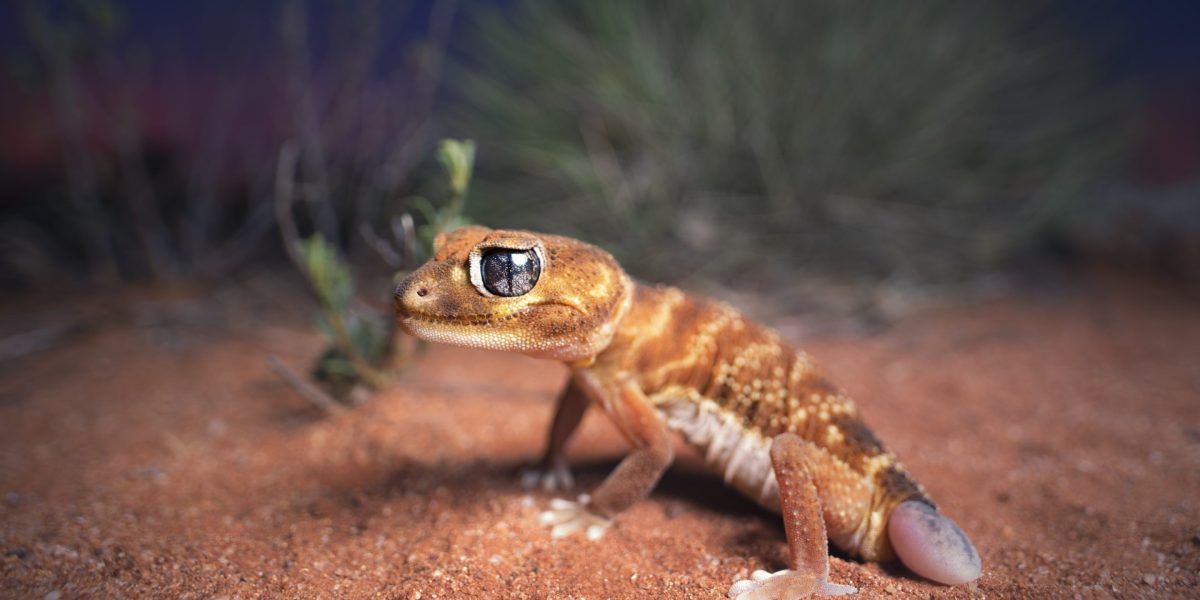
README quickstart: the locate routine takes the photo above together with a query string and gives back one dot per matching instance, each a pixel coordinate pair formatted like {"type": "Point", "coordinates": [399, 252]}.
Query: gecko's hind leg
{"type": "Point", "coordinates": [805, 527]}
{"type": "Point", "coordinates": [551, 473]}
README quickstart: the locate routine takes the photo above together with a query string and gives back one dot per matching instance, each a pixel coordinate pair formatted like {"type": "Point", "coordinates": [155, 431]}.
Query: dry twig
{"type": "Point", "coordinates": [306, 390]}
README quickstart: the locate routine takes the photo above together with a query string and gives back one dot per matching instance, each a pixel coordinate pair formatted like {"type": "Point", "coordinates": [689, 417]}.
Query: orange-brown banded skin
{"type": "Point", "coordinates": [731, 385]}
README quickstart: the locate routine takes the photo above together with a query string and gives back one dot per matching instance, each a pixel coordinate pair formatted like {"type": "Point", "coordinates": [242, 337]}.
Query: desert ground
{"type": "Point", "coordinates": [152, 453]}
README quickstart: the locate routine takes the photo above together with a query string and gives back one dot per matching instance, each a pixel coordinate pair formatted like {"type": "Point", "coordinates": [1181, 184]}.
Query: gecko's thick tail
{"type": "Point", "coordinates": [931, 545]}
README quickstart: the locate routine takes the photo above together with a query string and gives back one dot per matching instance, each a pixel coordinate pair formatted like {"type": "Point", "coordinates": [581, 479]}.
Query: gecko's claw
{"type": "Point", "coordinates": [785, 585]}
{"type": "Point", "coordinates": [568, 517]}
{"type": "Point", "coordinates": [931, 545]}
{"type": "Point", "coordinates": [551, 477]}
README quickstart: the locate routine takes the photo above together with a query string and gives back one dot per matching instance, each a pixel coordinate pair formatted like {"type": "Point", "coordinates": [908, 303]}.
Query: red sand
{"type": "Point", "coordinates": [158, 457]}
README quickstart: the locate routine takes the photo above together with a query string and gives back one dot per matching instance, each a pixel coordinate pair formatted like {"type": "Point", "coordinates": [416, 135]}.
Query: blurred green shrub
{"type": "Point", "coordinates": [924, 140]}
{"type": "Point", "coordinates": [364, 346]}
{"type": "Point", "coordinates": [458, 160]}
{"type": "Point", "coordinates": [358, 344]}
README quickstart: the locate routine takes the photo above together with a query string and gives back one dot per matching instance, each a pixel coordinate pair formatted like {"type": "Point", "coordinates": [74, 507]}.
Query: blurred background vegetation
{"type": "Point", "coordinates": [749, 144]}
{"type": "Point", "coordinates": [924, 140]}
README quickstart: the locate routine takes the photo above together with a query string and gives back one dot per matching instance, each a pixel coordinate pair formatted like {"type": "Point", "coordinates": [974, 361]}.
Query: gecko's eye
{"type": "Point", "coordinates": [510, 272]}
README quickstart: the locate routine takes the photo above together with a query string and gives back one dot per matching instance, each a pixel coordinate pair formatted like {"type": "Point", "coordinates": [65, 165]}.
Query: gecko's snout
{"type": "Point", "coordinates": [407, 294]}
{"type": "Point", "coordinates": [398, 299]}
{"type": "Point", "coordinates": [418, 294]}
{"type": "Point", "coordinates": [397, 295]}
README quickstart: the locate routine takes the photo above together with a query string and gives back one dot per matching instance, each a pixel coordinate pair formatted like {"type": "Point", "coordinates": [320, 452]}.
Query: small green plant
{"type": "Point", "coordinates": [458, 160]}
{"type": "Point", "coordinates": [359, 344]}
{"type": "Point", "coordinates": [365, 349]}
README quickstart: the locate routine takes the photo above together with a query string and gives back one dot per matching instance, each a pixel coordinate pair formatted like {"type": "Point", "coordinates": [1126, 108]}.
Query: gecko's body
{"type": "Point", "coordinates": [658, 360]}
{"type": "Point", "coordinates": [730, 386]}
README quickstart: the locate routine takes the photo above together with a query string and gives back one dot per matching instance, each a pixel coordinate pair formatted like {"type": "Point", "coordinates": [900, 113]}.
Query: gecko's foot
{"type": "Point", "coordinates": [552, 477]}
{"type": "Point", "coordinates": [785, 585]}
{"type": "Point", "coordinates": [931, 545]}
{"type": "Point", "coordinates": [568, 517]}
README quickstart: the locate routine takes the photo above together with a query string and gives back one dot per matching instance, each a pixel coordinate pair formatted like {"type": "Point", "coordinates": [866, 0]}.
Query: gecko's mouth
{"type": "Point", "coordinates": [516, 331]}
{"type": "Point", "coordinates": [407, 316]}
{"type": "Point", "coordinates": [476, 320]}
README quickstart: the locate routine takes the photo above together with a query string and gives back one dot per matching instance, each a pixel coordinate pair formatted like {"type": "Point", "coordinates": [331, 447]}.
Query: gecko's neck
{"type": "Point", "coordinates": [644, 317]}
{"type": "Point", "coordinates": [606, 336]}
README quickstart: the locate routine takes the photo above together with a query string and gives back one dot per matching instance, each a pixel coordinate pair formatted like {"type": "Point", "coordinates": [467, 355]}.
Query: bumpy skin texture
{"type": "Point", "coordinates": [657, 360]}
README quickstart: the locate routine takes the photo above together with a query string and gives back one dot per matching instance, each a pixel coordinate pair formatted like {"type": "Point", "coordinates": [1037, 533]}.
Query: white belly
{"type": "Point", "coordinates": [742, 457]}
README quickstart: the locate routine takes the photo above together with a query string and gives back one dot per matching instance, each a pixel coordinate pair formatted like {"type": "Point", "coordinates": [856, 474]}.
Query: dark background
{"type": "Point", "coordinates": [180, 111]}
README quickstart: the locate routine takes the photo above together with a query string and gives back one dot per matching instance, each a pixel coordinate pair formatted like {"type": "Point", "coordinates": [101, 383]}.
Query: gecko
{"type": "Point", "coordinates": [659, 363]}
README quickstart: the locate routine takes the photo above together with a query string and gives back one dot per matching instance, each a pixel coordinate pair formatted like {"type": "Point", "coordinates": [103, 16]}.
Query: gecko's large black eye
{"type": "Point", "coordinates": [510, 272]}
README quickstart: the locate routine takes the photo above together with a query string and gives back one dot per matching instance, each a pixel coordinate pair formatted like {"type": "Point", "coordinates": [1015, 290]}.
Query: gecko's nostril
{"type": "Point", "coordinates": [422, 292]}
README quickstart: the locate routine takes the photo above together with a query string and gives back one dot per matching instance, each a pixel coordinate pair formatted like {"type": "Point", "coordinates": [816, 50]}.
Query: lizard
{"type": "Point", "coordinates": [657, 361]}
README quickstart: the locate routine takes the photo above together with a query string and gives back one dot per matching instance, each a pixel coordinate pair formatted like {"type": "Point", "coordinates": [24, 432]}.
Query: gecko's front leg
{"type": "Point", "coordinates": [637, 474]}
{"type": "Point", "coordinates": [552, 472]}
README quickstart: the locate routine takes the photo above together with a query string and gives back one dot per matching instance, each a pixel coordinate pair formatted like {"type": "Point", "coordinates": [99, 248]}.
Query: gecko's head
{"type": "Point", "coordinates": [542, 295]}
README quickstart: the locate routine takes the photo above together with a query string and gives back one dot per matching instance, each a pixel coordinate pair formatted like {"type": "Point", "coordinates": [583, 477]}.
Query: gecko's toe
{"type": "Point", "coordinates": [551, 478]}
{"type": "Point", "coordinates": [785, 585]}
{"type": "Point", "coordinates": [567, 517]}
{"type": "Point", "coordinates": [931, 545]}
